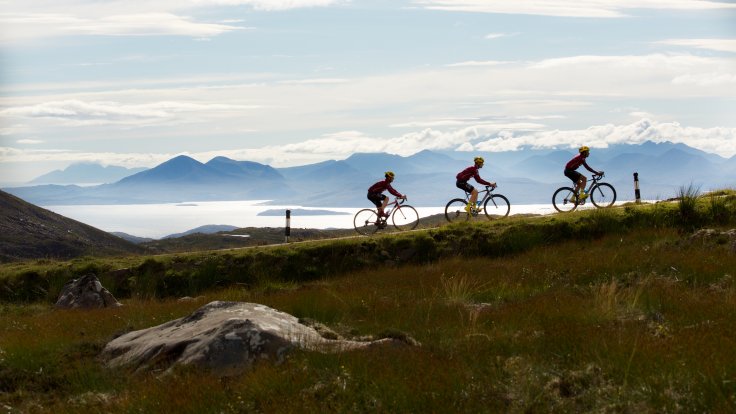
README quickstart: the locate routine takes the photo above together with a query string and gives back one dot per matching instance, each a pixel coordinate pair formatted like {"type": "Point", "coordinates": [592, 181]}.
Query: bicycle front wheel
{"type": "Point", "coordinates": [366, 221]}
{"type": "Point", "coordinates": [455, 210]}
{"type": "Point", "coordinates": [405, 218]}
{"type": "Point", "coordinates": [603, 195]}
{"type": "Point", "coordinates": [564, 200]}
{"type": "Point", "coordinates": [497, 207]}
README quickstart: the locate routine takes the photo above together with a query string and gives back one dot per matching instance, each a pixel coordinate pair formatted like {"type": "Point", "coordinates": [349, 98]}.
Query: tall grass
{"type": "Point", "coordinates": [687, 202]}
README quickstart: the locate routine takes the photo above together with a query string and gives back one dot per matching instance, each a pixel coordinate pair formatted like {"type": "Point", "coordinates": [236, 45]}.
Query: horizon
{"type": "Point", "coordinates": [288, 83]}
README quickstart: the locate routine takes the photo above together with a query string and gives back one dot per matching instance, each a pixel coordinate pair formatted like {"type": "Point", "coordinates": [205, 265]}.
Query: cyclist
{"type": "Point", "coordinates": [579, 179]}
{"type": "Point", "coordinates": [468, 173]}
{"type": "Point", "coordinates": [375, 193]}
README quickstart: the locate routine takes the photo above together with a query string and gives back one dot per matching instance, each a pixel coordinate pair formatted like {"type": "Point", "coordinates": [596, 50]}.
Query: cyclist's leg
{"type": "Point", "coordinates": [382, 209]}
{"type": "Point", "coordinates": [465, 186]}
{"type": "Point", "coordinates": [576, 178]}
{"type": "Point", "coordinates": [378, 200]}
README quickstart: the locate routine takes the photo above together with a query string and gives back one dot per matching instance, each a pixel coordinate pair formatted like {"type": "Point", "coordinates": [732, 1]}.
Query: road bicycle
{"type": "Point", "coordinates": [403, 217]}
{"type": "Point", "coordinates": [494, 206]}
{"type": "Point", "coordinates": [601, 194]}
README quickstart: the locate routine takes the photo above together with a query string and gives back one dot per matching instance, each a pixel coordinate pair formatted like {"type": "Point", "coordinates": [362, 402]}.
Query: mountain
{"type": "Point", "coordinates": [428, 177]}
{"type": "Point", "coordinates": [31, 232]}
{"type": "Point", "coordinates": [208, 229]}
{"type": "Point", "coordinates": [244, 169]}
{"type": "Point", "coordinates": [181, 169]}
{"type": "Point", "coordinates": [86, 173]}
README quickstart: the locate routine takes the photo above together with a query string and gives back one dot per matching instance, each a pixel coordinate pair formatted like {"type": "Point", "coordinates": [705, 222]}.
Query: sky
{"type": "Point", "coordinates": [291, 82]}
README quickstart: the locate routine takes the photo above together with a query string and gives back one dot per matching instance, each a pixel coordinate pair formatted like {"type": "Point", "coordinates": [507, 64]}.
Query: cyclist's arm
{"type": "Point", "coordinates": [585, 164]}
{"type": "Point", "coordinates": [394, 192]}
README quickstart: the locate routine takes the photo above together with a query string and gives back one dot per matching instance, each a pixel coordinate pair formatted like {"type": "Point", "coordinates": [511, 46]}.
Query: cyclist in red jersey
{"type": "Point", "coordinates": [579, 179]}
{"type": "Point", "coordinates": [375, 193]}
{"type": "Point", "coordinates": [468, 173]}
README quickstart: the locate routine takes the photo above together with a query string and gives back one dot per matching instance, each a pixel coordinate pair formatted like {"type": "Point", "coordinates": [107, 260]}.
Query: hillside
{"type": "Point", "coordinates": [593, 311]}
{"type": "Point", "coordinates": [28, 231]}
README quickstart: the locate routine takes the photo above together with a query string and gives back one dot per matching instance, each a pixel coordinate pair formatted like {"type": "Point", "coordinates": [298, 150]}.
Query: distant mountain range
{"type": "Point", "coordinates": [428, 177]}
{"type": "Point", "coordinates": [28, 231]}
{"type": "Point", "coordinates": [86, 174]}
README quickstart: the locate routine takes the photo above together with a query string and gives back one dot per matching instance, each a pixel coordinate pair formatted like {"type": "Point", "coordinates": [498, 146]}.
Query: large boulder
{"type": "Point", "coordinates": [226, 338]}
{"type": "Point", "coordinates": [86, 292]}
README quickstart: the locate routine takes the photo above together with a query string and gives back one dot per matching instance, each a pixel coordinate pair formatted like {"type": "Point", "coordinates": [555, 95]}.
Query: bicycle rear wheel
{"type": "Point", "coordinates": [497, 207]}
{"type": "Point", "coordinates": [405, 218]}
{"type": "Point", "coordinates": [603, 195]}
{"type": "Point", "coordinates": [455, 210]}
{"type": "Point", "coordinates": [366, 221]}
{"type": "Point", "coordinates": [564, 200]}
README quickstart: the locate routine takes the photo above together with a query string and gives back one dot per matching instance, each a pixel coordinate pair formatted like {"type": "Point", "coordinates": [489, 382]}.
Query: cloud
{"type": "Point", "coordinates": [23, 20]}
{"type": "Point", "coordinates": [491, 36]}
{"type": "Point", "coordinates": [29, 141]}
{"type": "Point", "coordinates": [83, 113]}
{"type": "Point", "coordinates": [721, 45]}
{"type": "Point", "coordinates": [472, 63]}
{"type": "Point", "coordinates": [44, 25]}
{"type": "Point", "coordinates": [716, 140]}
{"type": "Point", "coordinates": [568, 8]}
{"type": "Point", "coordinates": [342, 144]}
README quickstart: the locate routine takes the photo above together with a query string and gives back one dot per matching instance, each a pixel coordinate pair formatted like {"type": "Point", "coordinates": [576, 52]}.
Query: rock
{"type": "Point", "coordinates": [87, 293]}
{"type": "Point", "coordinates": [226, 338]}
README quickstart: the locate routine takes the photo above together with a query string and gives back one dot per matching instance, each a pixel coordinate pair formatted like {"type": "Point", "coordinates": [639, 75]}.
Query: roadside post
{"type": "Point", "coordinates": [637, 194]}
{"type": "Point", "coordinates": [287, 231]}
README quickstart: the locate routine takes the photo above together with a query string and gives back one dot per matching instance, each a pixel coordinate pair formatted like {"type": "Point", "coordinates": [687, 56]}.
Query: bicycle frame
{"type": "Point", "coordinates": [390, 207]}
{"type": "Point", "coordinates": [486, 195]}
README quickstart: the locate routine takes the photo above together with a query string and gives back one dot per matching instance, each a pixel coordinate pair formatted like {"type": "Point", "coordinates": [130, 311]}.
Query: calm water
{"type": "Point", "coordinates": [159, 220]}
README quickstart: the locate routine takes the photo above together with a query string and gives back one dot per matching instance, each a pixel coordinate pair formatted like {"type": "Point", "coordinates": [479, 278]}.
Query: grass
{"type": "Point", "coordinates": [616, 310]}
{"type": "Point", "coordinates": [568, 328]}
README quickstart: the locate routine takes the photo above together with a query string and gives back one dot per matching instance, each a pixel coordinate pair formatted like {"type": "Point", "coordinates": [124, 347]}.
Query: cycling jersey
{"type": "Point", "coordinates": [382, 186]}
{"type": "Point", "coordinates": [469, 172]}
{"type": "Point", "coordinates": [576, 162]}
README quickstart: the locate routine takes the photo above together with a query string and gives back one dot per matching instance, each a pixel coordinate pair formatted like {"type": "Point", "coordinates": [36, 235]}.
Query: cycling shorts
{"type": "Point", "coordinates": [377, 198]}
{"type": "Point", "coordinates": [463, 185]}
{"type": "Point", "coordinates": [573, 175]}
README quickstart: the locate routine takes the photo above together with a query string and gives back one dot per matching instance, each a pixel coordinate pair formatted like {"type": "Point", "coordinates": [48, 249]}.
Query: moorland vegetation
{"type": "Point", "coordinates": [627, 309]}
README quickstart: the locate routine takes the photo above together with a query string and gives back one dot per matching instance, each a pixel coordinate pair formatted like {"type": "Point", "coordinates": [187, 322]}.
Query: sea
{"type": "Point", "coordinates": [159, 220]}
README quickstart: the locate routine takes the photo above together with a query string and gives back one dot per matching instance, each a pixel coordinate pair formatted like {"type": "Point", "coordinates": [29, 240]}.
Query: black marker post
{"type": "Point", "coordinates": [637, 194]}
{"type": "Point", "coordinates": [287, 231]}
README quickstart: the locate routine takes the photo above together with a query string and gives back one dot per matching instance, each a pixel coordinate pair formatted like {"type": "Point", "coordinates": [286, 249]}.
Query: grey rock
{"type": "Point", "coordinates": [86, 293]}
{"type": "Point", "coordinates": [226, 338]}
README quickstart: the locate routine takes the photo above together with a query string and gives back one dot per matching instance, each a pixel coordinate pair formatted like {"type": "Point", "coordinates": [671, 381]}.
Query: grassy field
{"type": "Point", "coordinates": [607, 311]}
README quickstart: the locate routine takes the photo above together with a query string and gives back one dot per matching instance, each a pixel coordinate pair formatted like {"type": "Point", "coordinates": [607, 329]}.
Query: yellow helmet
{"type": "Point", "coordinates": [479, 160]}
{"type": "Point", "coordinates": [389, 174]}
{"type": "Point", "coordinates": [583, 149]}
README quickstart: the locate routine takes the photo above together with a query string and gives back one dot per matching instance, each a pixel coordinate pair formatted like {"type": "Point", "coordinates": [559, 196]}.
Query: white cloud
{"type": "Point", "coordinates": [81, 113]}
{"type": "Point", "coordinates": [44, 25]}
{"type": "Point", "coordinates": [476, 138]}
{"type": "Point", "coordinates": [491, 36]}
{"type": "Point", "coordinates": [30, 141]}
{"type": "Point", "coordinates": [471, 63]}
{"type": "Point", "coordinates": [568, 8]}
{"type": "Point", "coordinates": [721, 45]}
{"type": "Point", "coordinates": [23, 20]}
{"type": "Point", "coordinates": [716, 140]}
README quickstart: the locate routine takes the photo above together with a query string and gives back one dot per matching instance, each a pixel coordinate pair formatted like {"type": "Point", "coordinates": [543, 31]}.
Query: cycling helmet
{"type": "Point", "coordinates": [389, 174]}
{"type": "Point", "coordinates": [478, 160]}
{"type": "Point", "coordinates": [583, 149]}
